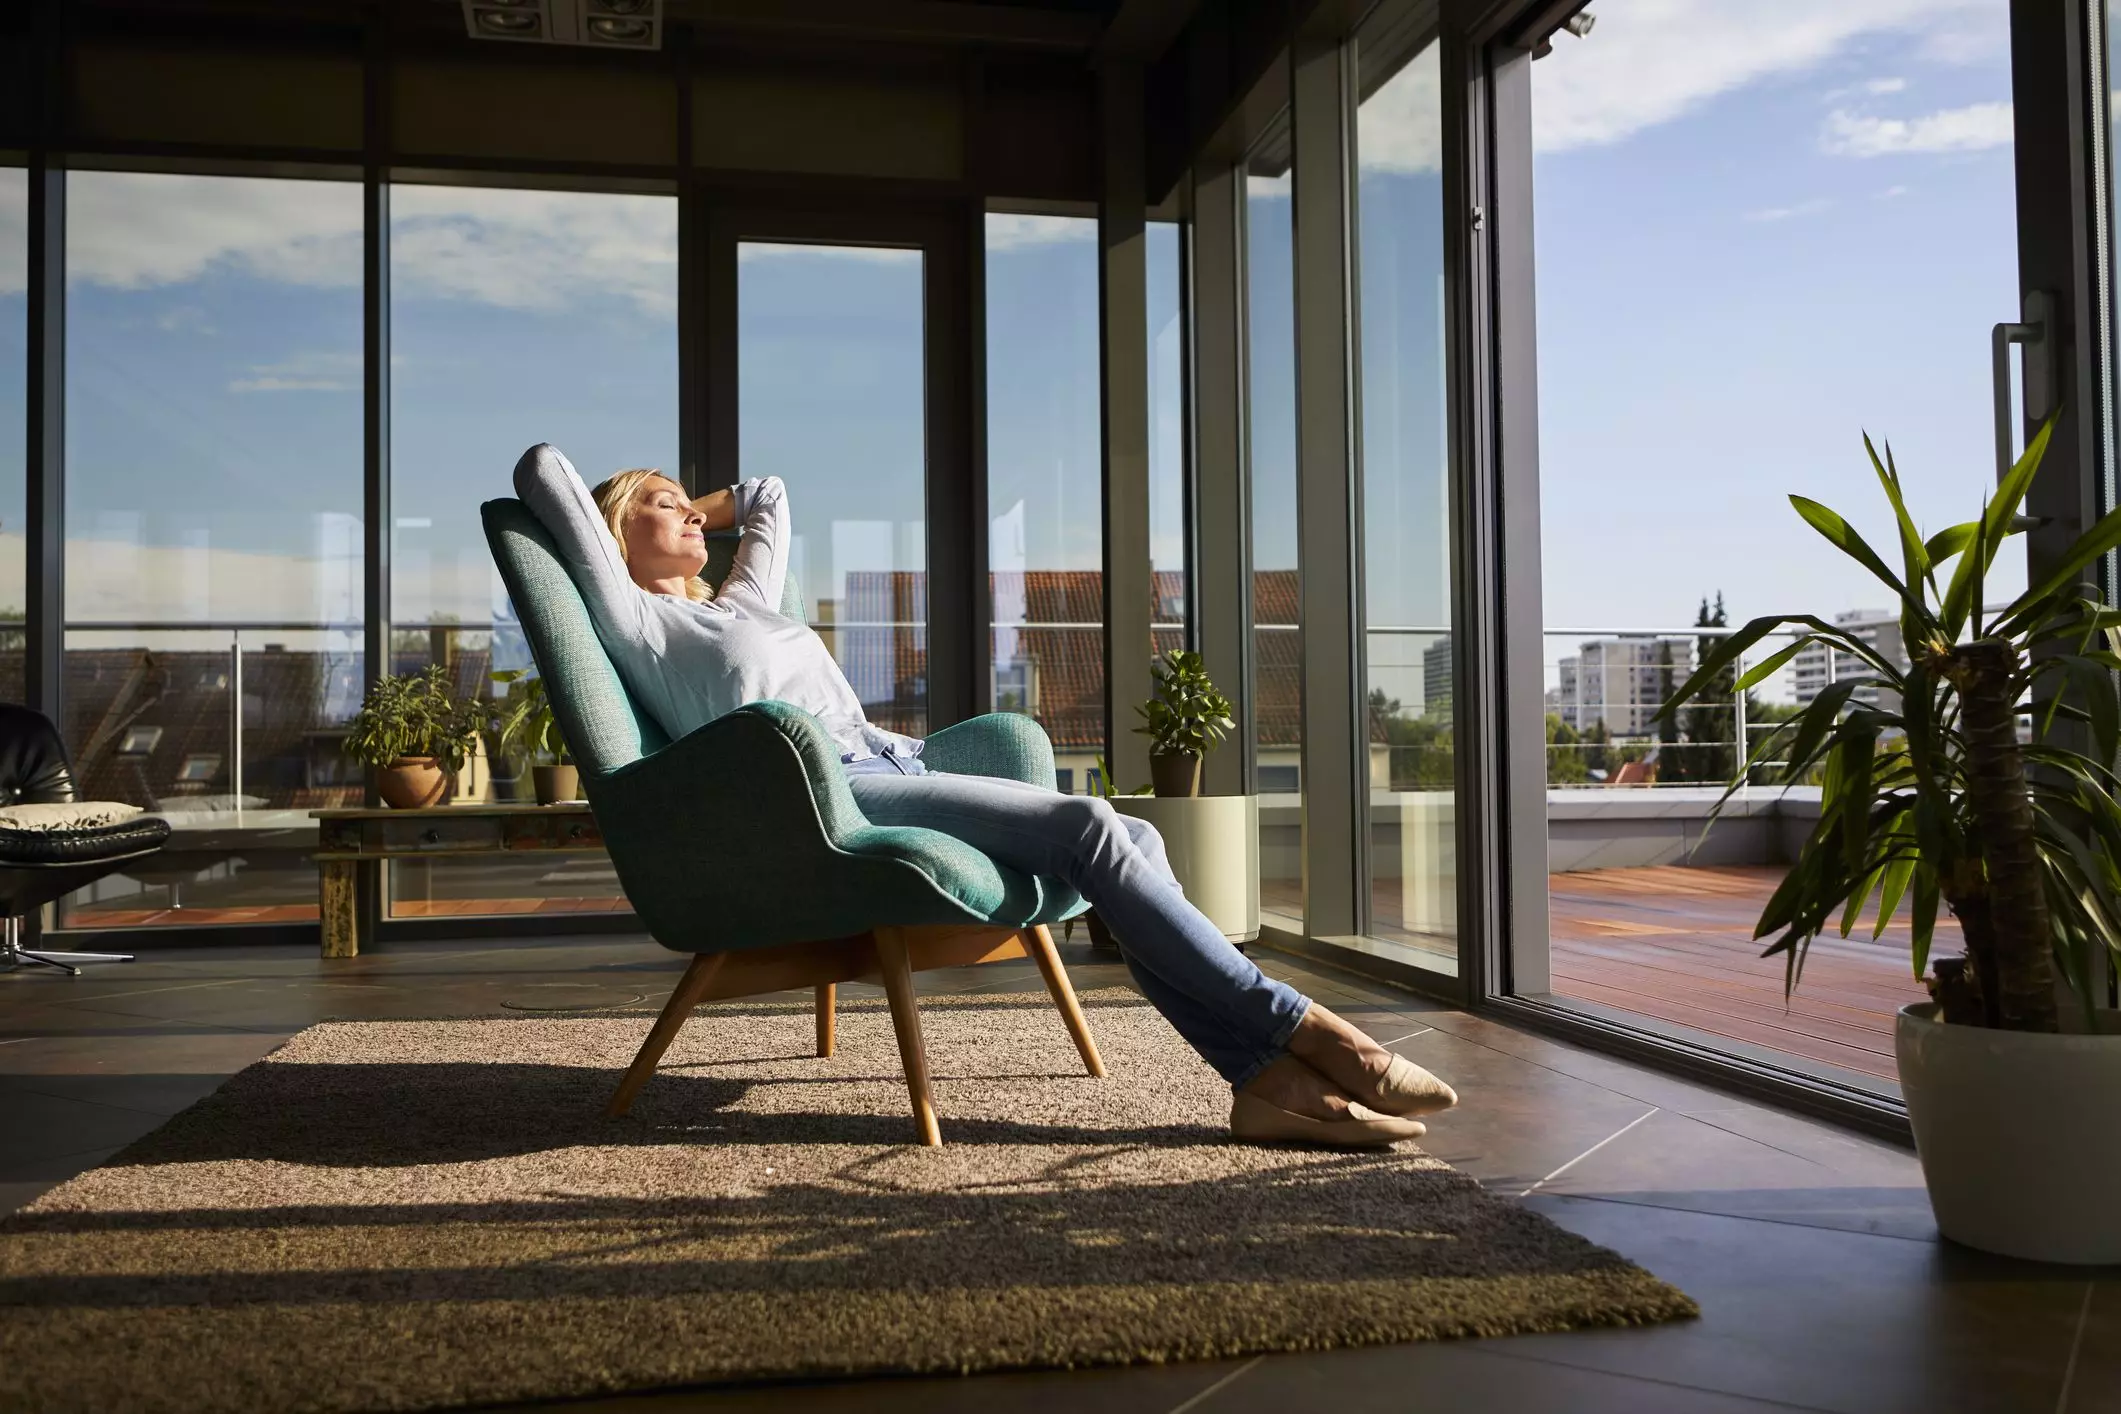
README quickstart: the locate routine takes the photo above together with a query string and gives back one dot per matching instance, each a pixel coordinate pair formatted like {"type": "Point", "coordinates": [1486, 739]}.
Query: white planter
{"type": "Point", "coordinates": [2020, 1136]}
{"type": "Point", "coordinates": [1213, 843]}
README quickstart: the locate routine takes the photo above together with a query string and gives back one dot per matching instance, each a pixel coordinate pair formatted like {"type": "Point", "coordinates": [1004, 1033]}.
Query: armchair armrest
{"type": "Point", "coordinates": [744, 834]}
{"type": "Point", "coordinates": [1004, 744]}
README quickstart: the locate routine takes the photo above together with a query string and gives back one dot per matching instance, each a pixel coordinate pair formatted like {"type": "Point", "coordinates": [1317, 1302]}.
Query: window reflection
{"type": "Point", "coordinates": [831, 400]}
{"type": "Point", "coordinates": [14, 344]}
{"type": "Point", "coordinates": [1045, 482]}
{"type": "Point", "coordinates": [213, 557]}
{"type": "Point", "coordinates": [1406, 515]}
{"type": "Point", "coordinates": [516, 317]}
{"type": "Point", "coordinates": [1167, 438]}
{"type": "Point", "coordinates": [1277, 692]}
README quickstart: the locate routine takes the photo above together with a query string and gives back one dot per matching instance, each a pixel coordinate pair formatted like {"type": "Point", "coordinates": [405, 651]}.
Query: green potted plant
{"type": "Point", "coordinates": [1983, 782]}
{"type": "Point", "coordinates": [1184, 721]}
{"type": "Point", "coordinates": [416, 734]}
{"type": "Point", "coordinates": [524, 723]}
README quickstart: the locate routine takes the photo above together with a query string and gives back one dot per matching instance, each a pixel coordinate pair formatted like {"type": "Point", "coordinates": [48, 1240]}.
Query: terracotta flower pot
{"type": "Point", "coordinates": [1175, 775]}
{"type": "Point", "coordinates": [411, 782]}
{"type": "Point", "coordinates": [556, 784]}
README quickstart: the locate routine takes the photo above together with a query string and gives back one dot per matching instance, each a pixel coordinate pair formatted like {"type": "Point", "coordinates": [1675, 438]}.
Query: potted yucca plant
{"type": "Point", "coordinates": [416, 733]}
{"type": "Point", "coordinates": [1983, 782]}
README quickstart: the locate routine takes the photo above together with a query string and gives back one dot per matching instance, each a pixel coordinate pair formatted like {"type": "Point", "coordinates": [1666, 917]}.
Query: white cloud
{"type": "Point", "coordinates": [1885, 86]}
{"type": "Point", "coordinates": [1651, 61]}
{"type": "Point", "coordinates": [787, 250]}
{"type": "Point", "coordinates": [140, 230]}
{"type": "Point", "coordinates": [535, 249]}
{"type": "Point", "coordinates": [1783, 213]}
{"type": "Point", "coordinates": [314, 372]}
{"type": "Point", "coordinates": [1891, 192]}
{"type": "Point", "coordinates": [1974, 128]}
{"type": "Point", "coordinates": [184, 319]}
{"type": "Point", "coordinates": [1009, 230]}
{"type": "Point", "coordinates": [514, 249]}
{"type": "Point", "coordinates": [1399, 128]}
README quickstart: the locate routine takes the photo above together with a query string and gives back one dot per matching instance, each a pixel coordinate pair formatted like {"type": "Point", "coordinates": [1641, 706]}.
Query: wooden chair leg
{"type": "Point", "coordinates": [896, 967]}
{"type": "Point", "coordinates": [1038, 941]}
{"type": "Point", "coordinates": [827, 1007]}
{"type": "Point", "coordinates": [683, 998]}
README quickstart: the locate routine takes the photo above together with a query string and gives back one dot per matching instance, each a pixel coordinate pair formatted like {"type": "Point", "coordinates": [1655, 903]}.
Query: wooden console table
{"type": "Point", "coordinates": [352, 845]}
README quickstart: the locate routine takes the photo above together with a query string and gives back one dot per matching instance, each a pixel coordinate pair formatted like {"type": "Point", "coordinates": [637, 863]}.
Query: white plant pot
{"type": "Point", "coordinates": [2019, 1133]}
{"type": "Point", "coordinates": [1213, 844]}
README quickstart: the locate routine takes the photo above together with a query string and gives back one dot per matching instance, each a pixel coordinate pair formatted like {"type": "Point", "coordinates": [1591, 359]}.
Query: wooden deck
{"type": "Point", "coordinates": [1677, 944]}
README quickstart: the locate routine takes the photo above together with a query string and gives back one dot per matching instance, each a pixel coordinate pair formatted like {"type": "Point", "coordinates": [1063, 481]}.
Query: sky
{"type": "Point", "coordinates": [214, 433]}
{"type": "Point", "coordinates": [1755, 241]}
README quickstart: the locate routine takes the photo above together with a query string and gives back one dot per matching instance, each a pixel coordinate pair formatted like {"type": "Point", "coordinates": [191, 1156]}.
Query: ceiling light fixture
{"type": "Point", "coordinates": [620, 30]}
{"type": "Point", "coordinates": [603, 24]}
{"type": "Point", "coordinates": [507, 24]}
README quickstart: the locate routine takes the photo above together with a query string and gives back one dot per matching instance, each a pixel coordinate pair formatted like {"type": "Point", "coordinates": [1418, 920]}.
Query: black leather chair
{"type": "Point", "coordinates": [37, 866]}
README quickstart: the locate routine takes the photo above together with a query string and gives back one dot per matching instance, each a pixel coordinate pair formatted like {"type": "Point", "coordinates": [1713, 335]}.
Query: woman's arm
{"type": "Point", "coordinates": [719, 507]}
{"type": "Point", "coordinates": [761, 566]}
{"type": "Point", "coordinates": [547, 482]}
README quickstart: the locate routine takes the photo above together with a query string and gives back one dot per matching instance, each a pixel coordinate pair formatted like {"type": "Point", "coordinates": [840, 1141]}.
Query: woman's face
{"type": "Point", "coordinates": [665, 538]}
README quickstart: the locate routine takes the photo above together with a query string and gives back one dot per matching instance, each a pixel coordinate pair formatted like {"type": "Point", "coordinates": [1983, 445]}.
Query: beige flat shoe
{"type": "Point", "coordinates": [1257, 1122]}
{"type": "Point", "coordinates": [1407, 1089]}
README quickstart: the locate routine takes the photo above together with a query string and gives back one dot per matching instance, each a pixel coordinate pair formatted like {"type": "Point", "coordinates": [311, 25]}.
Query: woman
{"type": "Point", "coordinates": [690, 653]}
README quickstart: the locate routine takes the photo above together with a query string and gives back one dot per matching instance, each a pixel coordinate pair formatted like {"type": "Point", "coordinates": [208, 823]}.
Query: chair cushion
{"type": "Point", "coordinates": [83, 844]}
{"type": "Point", "coordinates": [73, 815]}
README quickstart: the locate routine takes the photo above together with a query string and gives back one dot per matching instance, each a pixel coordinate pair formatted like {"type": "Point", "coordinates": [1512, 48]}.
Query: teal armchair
{"type": "Point", "coordinates": [798, 889]}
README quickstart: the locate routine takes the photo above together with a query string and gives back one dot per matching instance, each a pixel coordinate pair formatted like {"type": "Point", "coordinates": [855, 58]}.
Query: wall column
{"type": "Point", "coordinates": [1123, 328]}
{"type": "Point", "coordinates": [1221, 568]}
{"type": "Point", "coordinates": [1335, 756]}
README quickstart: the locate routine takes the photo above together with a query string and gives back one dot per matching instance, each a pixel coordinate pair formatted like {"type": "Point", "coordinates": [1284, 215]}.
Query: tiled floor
{"type": "Point", "coordinates": [1811, 1250]}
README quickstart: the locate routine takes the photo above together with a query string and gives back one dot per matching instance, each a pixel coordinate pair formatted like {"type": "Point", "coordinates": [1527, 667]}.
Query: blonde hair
{"type": "Point", "coordinates": [614, 497]}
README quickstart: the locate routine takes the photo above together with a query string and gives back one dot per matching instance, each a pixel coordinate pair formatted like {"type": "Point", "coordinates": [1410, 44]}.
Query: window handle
{"type": "Point", "coordinates": [2035, 332]}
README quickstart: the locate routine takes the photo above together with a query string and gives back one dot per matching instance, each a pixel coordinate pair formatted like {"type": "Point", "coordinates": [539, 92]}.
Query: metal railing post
{"type": "Point", "coordinates": [235, 718]}
{"type": "Point", "coordinates": [1745, 787]}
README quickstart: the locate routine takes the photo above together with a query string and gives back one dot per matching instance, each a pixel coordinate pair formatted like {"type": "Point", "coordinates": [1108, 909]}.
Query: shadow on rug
{"type": "Point", "coordinates": [405, 1214]}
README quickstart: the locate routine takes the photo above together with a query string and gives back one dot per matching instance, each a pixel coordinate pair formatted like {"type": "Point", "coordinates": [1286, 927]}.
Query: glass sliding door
{"type": "Point", "coordinates": [1743, 265]}
{"type": "Point", "coordinates": [516, 317]}
{"type": "Point", "coordinates": [1277, 679]}
{"type": "Point", "coordinates": [1045, 537]}
{"type": "Point", "coordinates": [213, 592]}
{"type": "Point", "coordinates": [1406, 499]}
{"type": "Point", "coordinates": [831, 398]}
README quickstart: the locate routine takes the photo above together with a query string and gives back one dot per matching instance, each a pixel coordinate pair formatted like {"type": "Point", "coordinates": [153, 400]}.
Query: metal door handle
{"type": "Point", "coordinates": [2040, 353]}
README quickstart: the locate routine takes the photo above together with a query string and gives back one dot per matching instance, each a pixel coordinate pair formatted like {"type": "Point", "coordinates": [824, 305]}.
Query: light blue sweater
{"type": "Point", "coordinates": [689, 662]}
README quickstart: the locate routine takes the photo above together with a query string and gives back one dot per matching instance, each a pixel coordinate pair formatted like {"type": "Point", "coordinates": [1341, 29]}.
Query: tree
{"type": "Point", "coordinates": [1565, 763]}
{"type": "Point", "coordinates": [1710, 726]}
{"type": "Point", "coordinates": [1418, 749]}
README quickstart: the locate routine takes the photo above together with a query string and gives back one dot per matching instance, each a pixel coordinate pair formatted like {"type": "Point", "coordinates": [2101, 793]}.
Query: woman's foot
{"type": "Point", "coordinates": [1289, 1102]}
{"type": "Point", "coordinates": [1289, 1084]}
{"type": "Point", "coordinates": [1363, 1069]}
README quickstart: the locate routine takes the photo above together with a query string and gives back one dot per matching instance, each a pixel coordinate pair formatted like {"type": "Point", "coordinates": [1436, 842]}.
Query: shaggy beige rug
{"type": "Point", "coordinates": [406, 1214]}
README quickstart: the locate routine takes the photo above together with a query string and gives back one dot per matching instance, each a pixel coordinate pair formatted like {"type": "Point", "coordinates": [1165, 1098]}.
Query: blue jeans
{"type": "Point", "coordinates": [1234, 1015]}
